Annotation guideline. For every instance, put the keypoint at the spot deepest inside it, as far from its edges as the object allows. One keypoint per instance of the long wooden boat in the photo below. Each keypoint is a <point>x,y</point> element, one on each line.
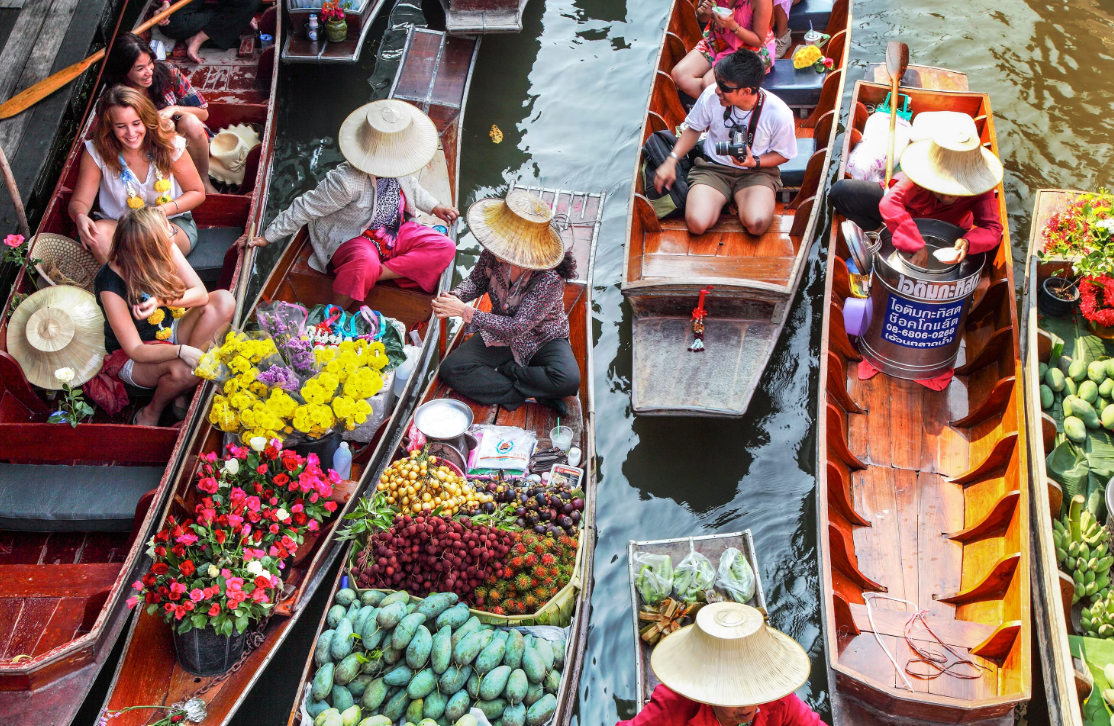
<point>148,672</point>
<point>68,551</point>
<point>463,17</point>
<point>580,215</point>
<point>755,279</point>
<point>711,546</point>
<point>298,48</point>
<point>923,499</point>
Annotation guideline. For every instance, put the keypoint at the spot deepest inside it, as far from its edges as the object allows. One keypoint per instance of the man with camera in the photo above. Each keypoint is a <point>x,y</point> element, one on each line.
<point>749,133</point>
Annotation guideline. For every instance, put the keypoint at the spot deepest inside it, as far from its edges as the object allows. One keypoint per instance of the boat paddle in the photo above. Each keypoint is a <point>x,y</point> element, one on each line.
<point>243,280</point>
<point>897,60</point>
<point>28,97</point>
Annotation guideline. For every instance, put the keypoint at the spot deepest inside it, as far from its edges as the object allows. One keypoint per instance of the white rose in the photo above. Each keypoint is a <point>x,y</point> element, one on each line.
<point>64,375</point>
<point>282,515</point>
<point>213,571</point>
<point>232,466</point>
<point>255,567</point>
<point>258,443</point>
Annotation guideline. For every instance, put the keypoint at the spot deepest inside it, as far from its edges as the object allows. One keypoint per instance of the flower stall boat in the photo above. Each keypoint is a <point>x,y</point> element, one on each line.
<point>69,553</point>
<point>582,214</point>
<point>148,671</point>
<point>359,16</point>
<point>754,279</point>
<point>924,500</point>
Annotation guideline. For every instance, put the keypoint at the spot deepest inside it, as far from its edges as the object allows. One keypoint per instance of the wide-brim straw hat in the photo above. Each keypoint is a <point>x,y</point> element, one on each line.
<point>388,138</point>
<point>59,327</point>
<point>730,658</point>
<point>953,162</point>
<point>518,230</point>
<point>63,261</point>
<point>228,153</point>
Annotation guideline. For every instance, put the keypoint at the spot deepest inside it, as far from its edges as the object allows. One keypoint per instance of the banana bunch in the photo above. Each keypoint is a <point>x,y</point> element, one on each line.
<point>1081,551</point>
<point>1098,620</point>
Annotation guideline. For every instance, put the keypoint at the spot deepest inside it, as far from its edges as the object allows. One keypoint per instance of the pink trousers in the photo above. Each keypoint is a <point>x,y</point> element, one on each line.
<point>420,255</point>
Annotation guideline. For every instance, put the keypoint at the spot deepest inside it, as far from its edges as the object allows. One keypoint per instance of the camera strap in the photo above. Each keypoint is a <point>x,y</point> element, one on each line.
<point>755,115</point>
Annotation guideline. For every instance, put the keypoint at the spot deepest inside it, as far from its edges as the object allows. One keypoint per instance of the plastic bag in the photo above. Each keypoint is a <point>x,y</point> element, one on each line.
<point>735,576</point>
<point>693,576</point>
<point>868,160</point>
<point>286,324</point>
<point>655,577</point>
<point>381,404</point>
<point>503,447</point>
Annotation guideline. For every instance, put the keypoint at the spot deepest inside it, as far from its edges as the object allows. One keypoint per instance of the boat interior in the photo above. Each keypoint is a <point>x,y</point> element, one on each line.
<point>483,16</point>
<point>925,501</point>
<point>358,17</point>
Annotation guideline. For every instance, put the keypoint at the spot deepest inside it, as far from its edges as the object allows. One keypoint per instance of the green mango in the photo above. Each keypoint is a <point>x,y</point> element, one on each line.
<point>1088,391</point>
<point>1096,372</point>
<point>1075,429</point>
<point>1077,371</point>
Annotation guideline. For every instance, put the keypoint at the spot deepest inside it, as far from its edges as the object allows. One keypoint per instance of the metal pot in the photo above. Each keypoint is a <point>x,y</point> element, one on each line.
<point>445,423</point>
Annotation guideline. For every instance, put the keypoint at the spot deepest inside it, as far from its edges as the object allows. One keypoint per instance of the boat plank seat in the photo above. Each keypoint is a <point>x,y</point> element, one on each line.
<point>810,14</point>
<point>798,88</point>
<point>73,498</point>
<point>793,171</point>
<point>207,256</point>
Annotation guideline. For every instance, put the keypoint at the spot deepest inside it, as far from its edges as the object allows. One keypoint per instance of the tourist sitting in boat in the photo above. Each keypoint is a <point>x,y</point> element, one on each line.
<point>734,105</point>
<point>157,312</point>
<point>735,24</point>
<point>784,35</point>
<point>133,160</point>
<point>221,23</point>
<point>133,64</point>
<point>949,177</point>
<point>522,347</point>
<point>359,215</point>
<point>727,669</point>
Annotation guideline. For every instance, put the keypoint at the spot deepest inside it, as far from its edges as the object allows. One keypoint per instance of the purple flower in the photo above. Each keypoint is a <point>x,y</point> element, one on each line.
<point>279,377</point>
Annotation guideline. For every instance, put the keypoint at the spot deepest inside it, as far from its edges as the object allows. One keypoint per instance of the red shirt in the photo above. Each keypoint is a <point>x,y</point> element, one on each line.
<point>667,708</point>
<point>905,200</point>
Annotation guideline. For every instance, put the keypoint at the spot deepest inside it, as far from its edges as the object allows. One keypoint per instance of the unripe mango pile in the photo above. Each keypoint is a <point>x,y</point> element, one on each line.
<point>1088,392</point>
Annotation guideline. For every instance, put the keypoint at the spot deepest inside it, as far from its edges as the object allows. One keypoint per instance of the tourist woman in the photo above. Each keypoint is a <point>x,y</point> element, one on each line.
<point>359,216</point>
<point>522,347</point>
<point>157,312</point>
<point>133,161</point>
<point>749,24</point>
<point>727,669</point>
<point>133,64</point>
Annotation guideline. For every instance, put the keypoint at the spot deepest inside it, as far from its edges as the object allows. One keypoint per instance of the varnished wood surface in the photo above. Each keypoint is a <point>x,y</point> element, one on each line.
<point>939,486</point>
<point>466,17</point>
<point>299,49</point>
<point>938,79</point>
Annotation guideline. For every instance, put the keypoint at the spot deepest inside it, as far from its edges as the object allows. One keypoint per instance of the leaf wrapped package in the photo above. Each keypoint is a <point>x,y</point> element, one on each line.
<point>693,576</point>
<point>655,577</point>
<point>735,576</point>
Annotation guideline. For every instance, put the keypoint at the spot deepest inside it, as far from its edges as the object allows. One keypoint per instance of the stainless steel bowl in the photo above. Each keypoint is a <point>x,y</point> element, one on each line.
<point>429,416</point>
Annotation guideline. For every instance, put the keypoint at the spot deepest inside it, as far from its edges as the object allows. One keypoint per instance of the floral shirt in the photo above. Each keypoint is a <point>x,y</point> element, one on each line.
<point>182,92</point>
<point>667,708</point>
<point>536,317</point>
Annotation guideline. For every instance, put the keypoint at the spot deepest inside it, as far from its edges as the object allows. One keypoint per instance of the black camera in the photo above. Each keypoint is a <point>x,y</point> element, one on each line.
<point>736,146</point>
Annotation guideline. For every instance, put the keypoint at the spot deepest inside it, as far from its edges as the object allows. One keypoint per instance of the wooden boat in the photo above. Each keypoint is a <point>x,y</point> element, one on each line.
<point>924,501</point>
<point>300,49</point>
<point>69,556</point>
<point>483,16</point>
<point>712,547</point>
<point>148,672</point>
<point>755,279</point>
<point>581,215</point>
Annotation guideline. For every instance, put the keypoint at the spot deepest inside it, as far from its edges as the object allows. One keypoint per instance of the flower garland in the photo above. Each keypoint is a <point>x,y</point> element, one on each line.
<point>1095,294</point>
<point>131,185</point>
<point>157,318</point>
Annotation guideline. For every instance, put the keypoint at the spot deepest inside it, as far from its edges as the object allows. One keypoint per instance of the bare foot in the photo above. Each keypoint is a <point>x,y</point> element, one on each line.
<point>209,188</point>
<point>194,44</point>
<point>255,24</point>
<point>143,417</point>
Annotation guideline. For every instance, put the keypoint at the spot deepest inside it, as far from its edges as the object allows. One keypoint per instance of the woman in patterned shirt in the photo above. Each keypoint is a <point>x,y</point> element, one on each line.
<point>522,350</point>
<point>133,64</point>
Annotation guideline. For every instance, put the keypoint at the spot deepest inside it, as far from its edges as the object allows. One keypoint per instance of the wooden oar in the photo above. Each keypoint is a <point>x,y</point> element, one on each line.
<point>244,279</point>
<point>897,60</point>
<point>28,97</point>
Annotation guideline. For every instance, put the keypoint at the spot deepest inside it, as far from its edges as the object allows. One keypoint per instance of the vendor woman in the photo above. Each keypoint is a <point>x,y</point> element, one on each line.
<point>727,669</point>
<point>522,348</point>
<point>950,177</point>
<point>360,215</point>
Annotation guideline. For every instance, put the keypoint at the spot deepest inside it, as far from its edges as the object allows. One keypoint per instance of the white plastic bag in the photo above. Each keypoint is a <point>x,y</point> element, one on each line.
<point>868,160</point>
<point>382,404</point>
<point>503,447</point>
<point>693,576</point>
<point>735,576</point>
<point>654,577</point>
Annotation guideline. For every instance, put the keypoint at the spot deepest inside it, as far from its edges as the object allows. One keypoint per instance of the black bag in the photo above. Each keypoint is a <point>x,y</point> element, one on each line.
<point>671,202</point>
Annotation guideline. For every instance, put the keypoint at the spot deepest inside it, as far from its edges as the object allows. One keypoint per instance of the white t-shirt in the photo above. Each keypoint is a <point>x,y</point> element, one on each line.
<point>112,198</point>
<point>776,129</point>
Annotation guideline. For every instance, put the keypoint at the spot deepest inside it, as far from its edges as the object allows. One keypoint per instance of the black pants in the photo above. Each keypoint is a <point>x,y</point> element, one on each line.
<point>858,201</point>
<point>223,23</point>
<point>551,374</point>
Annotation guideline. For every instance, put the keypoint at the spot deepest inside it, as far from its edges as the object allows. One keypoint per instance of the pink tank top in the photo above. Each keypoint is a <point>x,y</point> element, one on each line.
<point>718,43</point>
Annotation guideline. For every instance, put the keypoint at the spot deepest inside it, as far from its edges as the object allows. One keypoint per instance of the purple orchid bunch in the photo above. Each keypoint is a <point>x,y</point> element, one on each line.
<point>285,323</point>
<point>280,377</point>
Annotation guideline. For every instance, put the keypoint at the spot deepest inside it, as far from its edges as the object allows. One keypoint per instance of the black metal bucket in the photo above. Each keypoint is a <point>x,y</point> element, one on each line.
<point>202,652</point>
<point>324,447</point>
<point>1053,306</point>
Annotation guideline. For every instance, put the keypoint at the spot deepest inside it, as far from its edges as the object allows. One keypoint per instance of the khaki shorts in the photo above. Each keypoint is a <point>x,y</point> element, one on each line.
<point>727,180</point>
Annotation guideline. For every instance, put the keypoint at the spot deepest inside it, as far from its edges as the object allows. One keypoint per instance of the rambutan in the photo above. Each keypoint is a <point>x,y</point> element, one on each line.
<point>543,594</point>
<point>529,539</point>
<point>548,582</point>
<point>540,571</point>
<point>554,571</point>
<point>517,562</point>
<point>519,608</point>
<point>567,541</point>
<point>549,544</point>
<point>530,602</point>
<point>508,605</point>
<point>519,549</point>
<point>530,560</point>
<point>491,579</point>
<point>539,548</point>
<point>495,594</point>
<point>498,610</point>
<point>480,592</point>
<point>522,582</point>
<point>508,573</point>
<point>548,559</point>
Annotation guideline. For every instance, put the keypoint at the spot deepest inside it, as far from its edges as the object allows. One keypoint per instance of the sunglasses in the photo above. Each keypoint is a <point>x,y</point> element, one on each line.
<point>731,89</point>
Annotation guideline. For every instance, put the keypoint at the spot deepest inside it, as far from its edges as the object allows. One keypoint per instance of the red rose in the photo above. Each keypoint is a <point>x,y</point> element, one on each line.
<point>271,453</point>
<point>281,480</point>
<point>160,551</point>
<point>187,568</point>
<point>214,610</point>
<point>299,518</point>
<point>261,469</point>
<point>149,580</point>
<point>220,536</point>
<point>262,581</point>
<point>160,568</point>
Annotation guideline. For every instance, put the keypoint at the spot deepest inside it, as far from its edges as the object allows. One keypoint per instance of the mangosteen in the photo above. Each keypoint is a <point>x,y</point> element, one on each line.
<point>551,531</point>
<point>543,515</point>
<point>566,508</point>
<point>520,512</point>
<point>520,522</point>
<point>564,522</point>
<point>540,499</point>
<point>578,504</point>
<point>489,507</point>
<point>492,487</point>
<point>575,517</point>
<point>531,518</point>
<point>523,499</point>
<point>539,528</point>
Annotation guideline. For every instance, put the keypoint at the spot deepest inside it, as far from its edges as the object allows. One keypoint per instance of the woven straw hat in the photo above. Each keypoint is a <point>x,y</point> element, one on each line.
<point>228,153</point>
<point>730,657</point>
<point>64,261</point>
<point>388,138</point>
<point>518,230</point>
<point>953,161</point>
<point>59,327</point>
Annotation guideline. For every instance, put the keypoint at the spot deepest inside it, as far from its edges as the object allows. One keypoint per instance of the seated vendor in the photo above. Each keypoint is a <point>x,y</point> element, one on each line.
<point>359,215</point>
<point>522,347</point>
<point>727,669</point>
<point>157,312</point>
<point>133,160</point>
<point>950,177</point>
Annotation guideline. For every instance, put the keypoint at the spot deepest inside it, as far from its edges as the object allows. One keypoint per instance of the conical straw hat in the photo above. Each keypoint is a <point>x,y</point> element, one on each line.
<point>518,230</point>
<point>730,657</point>
<point>953,161</point>
<point>388,138</point>
<point>58,327</point>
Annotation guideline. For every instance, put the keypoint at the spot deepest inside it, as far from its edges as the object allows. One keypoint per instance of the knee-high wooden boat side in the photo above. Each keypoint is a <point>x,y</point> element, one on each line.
<point>581,213</point>
<point>68,554</point>
<point>148,672</point>
<point>755,278</point>
<point>923,497</point>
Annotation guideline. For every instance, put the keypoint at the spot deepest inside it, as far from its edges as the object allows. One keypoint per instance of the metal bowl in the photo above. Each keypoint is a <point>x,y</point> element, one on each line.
<point>430,418</point>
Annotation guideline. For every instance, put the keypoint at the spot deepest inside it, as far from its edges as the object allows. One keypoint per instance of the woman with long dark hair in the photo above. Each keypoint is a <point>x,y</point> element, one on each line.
<point>133,64</point>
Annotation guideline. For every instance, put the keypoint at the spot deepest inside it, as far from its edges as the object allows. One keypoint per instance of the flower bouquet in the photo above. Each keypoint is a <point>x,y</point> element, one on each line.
<point>336,29</point>
<point>1083,229</point>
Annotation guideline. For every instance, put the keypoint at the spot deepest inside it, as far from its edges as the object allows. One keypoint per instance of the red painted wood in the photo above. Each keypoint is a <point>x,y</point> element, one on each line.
<point>26,631</point>
<point>56,580</point>
<point>114,443</point>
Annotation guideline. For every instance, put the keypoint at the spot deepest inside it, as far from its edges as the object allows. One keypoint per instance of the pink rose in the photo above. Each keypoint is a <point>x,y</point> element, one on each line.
<point>133,601</point>
<point>330,506</point>
<point>197,595</point>
<point>13,240</point>
<point>208,485</point>
<point>186,539</point>
<point>312,525</point>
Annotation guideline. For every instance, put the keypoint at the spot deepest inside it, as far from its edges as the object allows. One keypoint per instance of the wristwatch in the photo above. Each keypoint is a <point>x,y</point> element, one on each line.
<point>673,156</point>
<point>757,162</point>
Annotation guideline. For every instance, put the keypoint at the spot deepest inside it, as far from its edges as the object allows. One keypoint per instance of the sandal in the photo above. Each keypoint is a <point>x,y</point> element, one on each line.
<point>179,408</point>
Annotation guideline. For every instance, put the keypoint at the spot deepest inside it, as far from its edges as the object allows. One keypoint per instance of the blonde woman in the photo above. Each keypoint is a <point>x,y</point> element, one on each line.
<point>157,312</point>
<point>134,160</point>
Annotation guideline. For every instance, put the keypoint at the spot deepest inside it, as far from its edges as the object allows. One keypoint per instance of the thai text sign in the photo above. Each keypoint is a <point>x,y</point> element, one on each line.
<point>921,325</point>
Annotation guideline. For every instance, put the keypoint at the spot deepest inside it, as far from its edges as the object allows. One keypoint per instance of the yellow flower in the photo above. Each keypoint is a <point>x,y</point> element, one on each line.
<point>806,56</point>
<point>281,404</point>
<point>323,355</point>
<point>135,203</point>
<point>162,185</point>
<point>177,312</point>
<point>156,317</point>
<point>259,389</point>
<point>363,383</point>
<point>241,400</point>
<point>164,334</point>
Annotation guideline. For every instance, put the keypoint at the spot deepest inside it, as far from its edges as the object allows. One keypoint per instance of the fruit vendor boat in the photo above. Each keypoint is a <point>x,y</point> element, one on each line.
<point>754,279</point>
<point>924,500</point>
<point>78,504</point>
<point>148,672</point>
<point>580,216</point>
<point>711,546</point>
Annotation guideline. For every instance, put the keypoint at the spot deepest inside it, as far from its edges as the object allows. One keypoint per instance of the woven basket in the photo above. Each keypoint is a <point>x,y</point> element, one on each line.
<point>63,261</point>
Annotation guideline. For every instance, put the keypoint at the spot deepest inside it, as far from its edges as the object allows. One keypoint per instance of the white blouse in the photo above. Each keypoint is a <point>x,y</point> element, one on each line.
<point>113,195</point>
